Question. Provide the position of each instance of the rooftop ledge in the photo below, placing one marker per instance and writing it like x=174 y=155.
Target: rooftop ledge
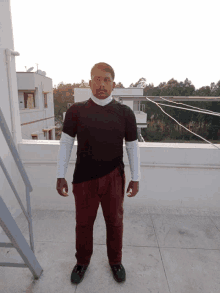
x=152 y=154
x=172 y=174
x=140 y=144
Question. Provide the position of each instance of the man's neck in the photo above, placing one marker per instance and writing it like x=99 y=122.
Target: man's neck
x=103 y=102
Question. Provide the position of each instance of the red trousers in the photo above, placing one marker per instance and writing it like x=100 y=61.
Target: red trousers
x=109 y=190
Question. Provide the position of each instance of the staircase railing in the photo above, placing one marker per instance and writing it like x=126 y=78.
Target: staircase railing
x=6 y=220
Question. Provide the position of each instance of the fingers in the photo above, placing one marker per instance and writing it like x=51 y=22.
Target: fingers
x=62 y=193
x=65 y=193
x=129 y=187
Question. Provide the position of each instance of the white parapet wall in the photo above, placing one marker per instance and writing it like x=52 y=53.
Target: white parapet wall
x=172 y=175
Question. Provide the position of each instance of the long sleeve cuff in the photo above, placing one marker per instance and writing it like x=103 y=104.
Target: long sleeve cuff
x=133 y=152
x=64 y=153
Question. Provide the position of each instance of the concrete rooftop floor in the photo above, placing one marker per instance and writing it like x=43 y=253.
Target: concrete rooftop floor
x=164 y=250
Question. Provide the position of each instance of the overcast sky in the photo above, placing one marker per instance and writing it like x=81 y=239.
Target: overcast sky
x=155 y=39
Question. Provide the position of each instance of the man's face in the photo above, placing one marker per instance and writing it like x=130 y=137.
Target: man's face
x=101 y=84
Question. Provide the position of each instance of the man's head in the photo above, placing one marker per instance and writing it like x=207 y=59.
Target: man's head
x=102 y=79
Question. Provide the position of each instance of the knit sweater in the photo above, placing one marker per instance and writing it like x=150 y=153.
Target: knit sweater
x=100 y=127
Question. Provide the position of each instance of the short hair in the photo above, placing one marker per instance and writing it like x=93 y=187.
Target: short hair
x=104 y=66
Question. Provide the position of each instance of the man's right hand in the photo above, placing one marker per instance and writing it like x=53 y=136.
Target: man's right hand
x=62 y=184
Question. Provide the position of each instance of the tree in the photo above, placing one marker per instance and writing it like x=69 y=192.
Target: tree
x=203 y=91
x=62 y=95
x=140 y=83
x=215 y=89
x=119 y=85
x=147 y=88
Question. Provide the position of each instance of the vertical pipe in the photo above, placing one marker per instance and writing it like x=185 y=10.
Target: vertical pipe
x=30 y=219
x=8 y=55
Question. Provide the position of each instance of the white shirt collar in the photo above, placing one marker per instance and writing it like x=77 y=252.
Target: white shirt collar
x=101 y=102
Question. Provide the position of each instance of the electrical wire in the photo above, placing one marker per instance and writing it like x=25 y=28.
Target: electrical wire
x=179 y=123
x=210 y=113
x=189 y=106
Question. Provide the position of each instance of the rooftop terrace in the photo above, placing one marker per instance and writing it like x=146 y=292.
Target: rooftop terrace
x=164 y=250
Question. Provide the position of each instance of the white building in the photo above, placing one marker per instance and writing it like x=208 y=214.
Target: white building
x=35 y=95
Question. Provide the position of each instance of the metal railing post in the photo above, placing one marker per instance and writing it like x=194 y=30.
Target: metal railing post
x=30 y=219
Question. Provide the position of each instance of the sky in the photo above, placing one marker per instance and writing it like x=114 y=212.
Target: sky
x=155 y=39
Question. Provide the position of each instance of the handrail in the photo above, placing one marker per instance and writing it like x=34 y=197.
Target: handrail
x=12 y=147
x=16 y=156
x=13 y=187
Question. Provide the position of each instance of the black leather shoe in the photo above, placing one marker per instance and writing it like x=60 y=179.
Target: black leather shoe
x=78 y=274
x=118 y=272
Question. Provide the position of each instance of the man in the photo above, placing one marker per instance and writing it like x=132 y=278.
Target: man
x=100 y=123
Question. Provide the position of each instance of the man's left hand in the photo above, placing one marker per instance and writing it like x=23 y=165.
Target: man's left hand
x=134 y=186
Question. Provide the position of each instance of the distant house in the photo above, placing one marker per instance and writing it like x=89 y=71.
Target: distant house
x=35 y=94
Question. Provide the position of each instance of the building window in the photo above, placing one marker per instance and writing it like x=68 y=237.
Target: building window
x=50 y=135
x=45 y=100
x=34 y=136
x=29 y=100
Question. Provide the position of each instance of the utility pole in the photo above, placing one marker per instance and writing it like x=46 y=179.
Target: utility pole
x=37 y=67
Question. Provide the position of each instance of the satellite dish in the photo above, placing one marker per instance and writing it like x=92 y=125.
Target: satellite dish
x=30 y=69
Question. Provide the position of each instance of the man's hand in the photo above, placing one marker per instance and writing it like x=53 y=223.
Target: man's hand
x=134 y=185
x=62 y=184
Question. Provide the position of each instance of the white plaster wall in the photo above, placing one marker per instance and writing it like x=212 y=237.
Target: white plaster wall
x=129 y=104
x=128 y=91
x=135 y=106
x=6 y=42
x=178 y=175
x=25 y=80
x=31 y=115
x=5 y=191
x=81 y=94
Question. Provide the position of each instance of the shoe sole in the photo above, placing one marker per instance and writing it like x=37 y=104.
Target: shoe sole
x=118 y=280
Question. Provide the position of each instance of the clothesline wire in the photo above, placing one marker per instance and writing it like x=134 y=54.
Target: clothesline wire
x=190 y=106
x=181 y=124
x=208 y=112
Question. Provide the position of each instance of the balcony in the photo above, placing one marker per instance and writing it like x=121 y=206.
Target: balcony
x=171 y=236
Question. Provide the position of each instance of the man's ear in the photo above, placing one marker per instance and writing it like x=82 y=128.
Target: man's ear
x=113 y=85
